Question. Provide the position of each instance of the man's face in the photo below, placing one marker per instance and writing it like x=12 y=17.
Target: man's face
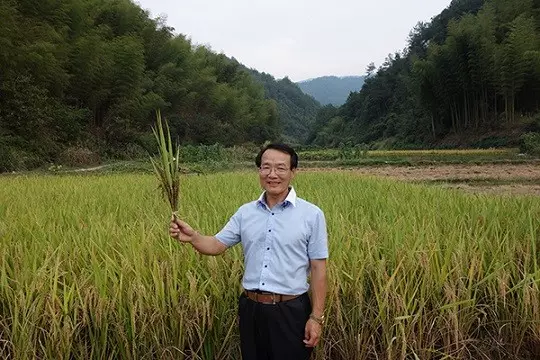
x=275 y=173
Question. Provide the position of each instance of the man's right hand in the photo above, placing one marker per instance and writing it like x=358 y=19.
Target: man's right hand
x=181 y=231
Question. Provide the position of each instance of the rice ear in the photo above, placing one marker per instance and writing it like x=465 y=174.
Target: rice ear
x=167 y=164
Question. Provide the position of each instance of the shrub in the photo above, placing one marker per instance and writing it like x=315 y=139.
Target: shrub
x=203 y=153
x=348 y=151
x=78 y=156
x=7 y=161
x=492 y=142
x=530 y=143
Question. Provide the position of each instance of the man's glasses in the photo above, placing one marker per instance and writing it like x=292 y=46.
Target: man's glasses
x=280 y=170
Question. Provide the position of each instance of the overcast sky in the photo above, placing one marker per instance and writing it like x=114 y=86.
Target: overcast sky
x=300 y=39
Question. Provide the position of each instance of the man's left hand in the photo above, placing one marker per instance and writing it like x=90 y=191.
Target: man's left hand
x=312 y=333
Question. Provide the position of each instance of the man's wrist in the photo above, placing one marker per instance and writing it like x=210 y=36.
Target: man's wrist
x=196 y=236
x=318 y=319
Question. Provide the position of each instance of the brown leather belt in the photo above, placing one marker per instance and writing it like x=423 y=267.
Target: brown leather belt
x=267 y=297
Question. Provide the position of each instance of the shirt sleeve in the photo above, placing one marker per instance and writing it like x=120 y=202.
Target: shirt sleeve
x=318 y=241
x=230 y=234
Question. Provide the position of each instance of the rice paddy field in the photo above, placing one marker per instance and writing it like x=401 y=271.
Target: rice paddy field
x=87 y=270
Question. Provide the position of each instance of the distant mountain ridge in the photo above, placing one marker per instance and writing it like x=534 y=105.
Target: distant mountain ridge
x=331 y=89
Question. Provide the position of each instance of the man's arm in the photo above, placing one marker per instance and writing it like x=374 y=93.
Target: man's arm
x=318 y=286
x=207 y=245
x=318 y=296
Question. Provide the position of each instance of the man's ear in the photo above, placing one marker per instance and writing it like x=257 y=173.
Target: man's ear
x=294 y=173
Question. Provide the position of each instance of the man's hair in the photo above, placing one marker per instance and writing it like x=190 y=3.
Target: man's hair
x=279 y=147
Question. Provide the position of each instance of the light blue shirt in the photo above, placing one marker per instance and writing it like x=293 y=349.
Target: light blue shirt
x=278 y=243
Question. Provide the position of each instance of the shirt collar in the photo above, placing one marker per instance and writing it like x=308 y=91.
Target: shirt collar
x=290 y=199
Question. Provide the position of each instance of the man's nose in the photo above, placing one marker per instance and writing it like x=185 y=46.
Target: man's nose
x=273 y=172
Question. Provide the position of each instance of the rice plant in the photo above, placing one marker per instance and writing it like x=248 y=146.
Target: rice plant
x=167 y=166
x=88 y=271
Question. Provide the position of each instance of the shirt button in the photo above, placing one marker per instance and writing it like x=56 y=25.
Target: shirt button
x=265 y=266
x=267 y=248
x=272 y=213
x=269 y=230
x=263 y=283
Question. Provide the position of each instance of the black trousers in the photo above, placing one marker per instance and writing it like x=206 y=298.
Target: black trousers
x=274 y=331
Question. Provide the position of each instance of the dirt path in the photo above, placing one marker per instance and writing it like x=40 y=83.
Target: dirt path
x=442 y=172
x=515 y=179
x=89 y=169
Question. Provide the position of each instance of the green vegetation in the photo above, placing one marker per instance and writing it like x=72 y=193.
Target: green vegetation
x=87 y=269
x=205 y=159
x=297 y=110
x=86 y=76
x=360 y=155
x=530 y=143
x=469 y=76
x=81 y=80
x=167 y=164
x=416 y=271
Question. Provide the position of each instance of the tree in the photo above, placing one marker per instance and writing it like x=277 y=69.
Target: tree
x=370 y=70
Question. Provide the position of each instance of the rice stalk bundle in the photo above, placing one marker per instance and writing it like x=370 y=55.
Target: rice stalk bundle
x=167 y=164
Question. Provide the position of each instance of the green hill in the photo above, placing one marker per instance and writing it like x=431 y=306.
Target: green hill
x=82 y=79
x=331 y=89
x=297 y=111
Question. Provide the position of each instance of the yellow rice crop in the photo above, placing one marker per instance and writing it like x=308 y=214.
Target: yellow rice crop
x=87 y=269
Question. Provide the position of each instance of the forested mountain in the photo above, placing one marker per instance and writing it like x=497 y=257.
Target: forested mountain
x=90 y=73
x=474 y=69
x=332 y=90
x=297 y=111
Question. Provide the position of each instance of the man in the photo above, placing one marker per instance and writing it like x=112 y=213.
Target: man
x=283 y=239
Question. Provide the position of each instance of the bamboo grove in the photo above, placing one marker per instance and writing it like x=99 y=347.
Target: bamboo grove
x=474 y=68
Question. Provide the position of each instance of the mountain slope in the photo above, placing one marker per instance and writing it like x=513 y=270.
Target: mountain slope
x=88 y=75
x=297 y=111
x=470 y=77
x=331 y=89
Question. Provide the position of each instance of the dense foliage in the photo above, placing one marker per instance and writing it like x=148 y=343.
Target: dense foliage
x=474 y=69
x=297 y=111
x=89 y=74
